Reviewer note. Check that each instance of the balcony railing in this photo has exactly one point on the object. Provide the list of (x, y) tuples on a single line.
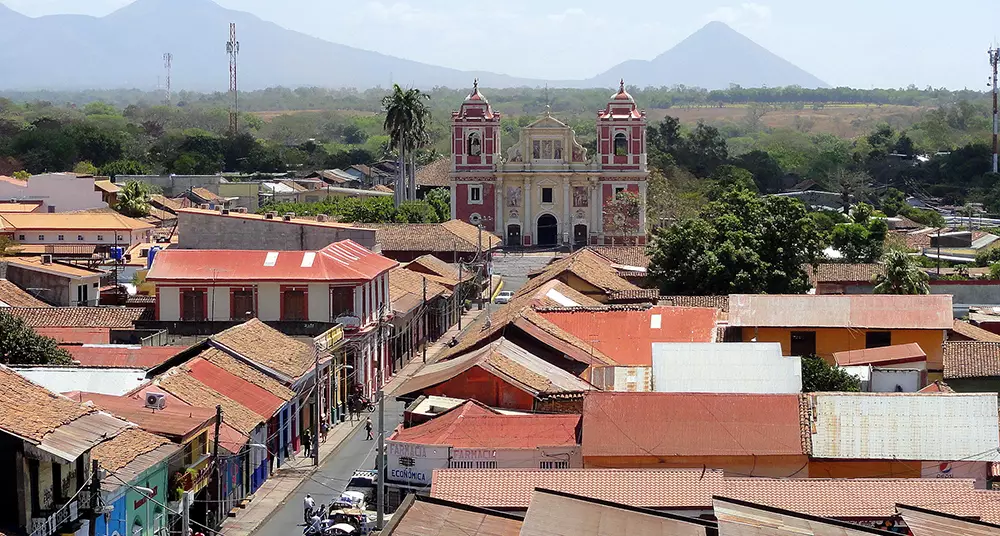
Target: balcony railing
[(47, 525)]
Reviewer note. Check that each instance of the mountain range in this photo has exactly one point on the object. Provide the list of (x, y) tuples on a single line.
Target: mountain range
[(123, 50)]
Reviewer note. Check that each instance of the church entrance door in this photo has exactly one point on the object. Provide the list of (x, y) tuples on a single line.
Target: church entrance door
[(548, 230)]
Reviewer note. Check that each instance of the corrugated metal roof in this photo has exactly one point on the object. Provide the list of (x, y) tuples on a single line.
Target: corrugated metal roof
[(122, 356), (746, 518), (691, 424), (107, 381), (905, 426), (559, 514), (751, 367), (247, 394), (886, 355), (72, 439), (424, 516), (627, 335), (840, 311), (474, 426), (176, 420), (929, 522), (341, 261)]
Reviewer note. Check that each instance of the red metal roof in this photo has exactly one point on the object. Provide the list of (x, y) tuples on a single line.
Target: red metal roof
[(114, 356), (886, 355), (470, 425), (176, 420), (690, 424), (627, 336), (882, 311), (239, 390), (341, 261), (76, 335)]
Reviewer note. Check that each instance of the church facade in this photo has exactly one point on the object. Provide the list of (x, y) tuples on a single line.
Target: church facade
[(546, 190)]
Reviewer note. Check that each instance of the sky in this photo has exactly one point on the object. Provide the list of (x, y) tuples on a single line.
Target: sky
[(857, 43)]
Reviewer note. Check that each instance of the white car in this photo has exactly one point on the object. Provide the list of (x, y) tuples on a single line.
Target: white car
[(504, 296)]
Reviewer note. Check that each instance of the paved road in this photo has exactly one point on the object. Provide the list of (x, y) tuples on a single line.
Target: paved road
[(332, 478), (515, 266)]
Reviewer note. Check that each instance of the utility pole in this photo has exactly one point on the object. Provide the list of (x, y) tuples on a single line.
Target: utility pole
[(168, 60), (95, 493), (461, 302), (994, 62), (479, 272), (233, 49), (318, 411), (423, 319), (215, 464), (380, 492)]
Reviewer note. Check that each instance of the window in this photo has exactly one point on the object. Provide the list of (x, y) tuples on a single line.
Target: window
[(82, 295), (619, 190), (294, 304), (621, 144), (52, 209), (97, 285), (460, 464), (878, 339), (553, 465), (20, 237), (343, 302), (803, 343), (546, 195), (79, 238), (476, 194), (60, 238), (241, 304), (41, 237), (35, 492), (193, 305), (486, 465), (120, 237), (56, 482), (474, 146), (100, 238)]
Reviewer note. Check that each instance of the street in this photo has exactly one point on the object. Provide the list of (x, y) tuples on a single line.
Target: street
[(332, 478)]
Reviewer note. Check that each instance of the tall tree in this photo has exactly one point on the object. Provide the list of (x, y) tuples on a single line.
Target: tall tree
[(133, 199), (406, 121), (901, 275), (818, 375), (20, 345)]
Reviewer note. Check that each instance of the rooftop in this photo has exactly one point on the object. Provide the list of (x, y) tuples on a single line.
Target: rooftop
[(107, 186), (436, 174), (627, 335), (341, 261), (886, 355), (262, 345), (247, 394), (262, 217), (436, 266), (177, 420), (76, 221), (406, 289), (57, 268), (12, 296), (112, 381), (453, 236), (844, 273), (691, 424), (624, 257), (78, 317), (425, 516), (720, 303), (30, 411), (971, 359), (586, 265), (473, 426), (246, 372), (122, 449), (196, 393), (733, 367), (20, 206), (841, 311), (965, 330)]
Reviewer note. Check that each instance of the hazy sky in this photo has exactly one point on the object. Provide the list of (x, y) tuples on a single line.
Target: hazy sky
[(859, 43)]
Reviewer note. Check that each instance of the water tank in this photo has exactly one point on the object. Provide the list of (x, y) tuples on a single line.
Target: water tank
[(117, 253), (152, 255)]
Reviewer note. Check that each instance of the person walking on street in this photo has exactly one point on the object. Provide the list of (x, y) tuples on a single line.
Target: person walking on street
[(308, 505), (307, 441), (368, 428)]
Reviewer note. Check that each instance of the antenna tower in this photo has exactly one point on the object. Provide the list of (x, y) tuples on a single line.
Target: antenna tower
[(168, 60), (994, 62), (233, 49)]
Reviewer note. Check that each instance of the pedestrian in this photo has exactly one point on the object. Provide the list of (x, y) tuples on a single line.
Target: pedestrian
[(307, 505), (307, 442), (324, 428), (368, 428)]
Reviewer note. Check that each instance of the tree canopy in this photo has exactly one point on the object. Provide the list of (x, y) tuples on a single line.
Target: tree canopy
[(820, 376), (21, 345), (901, 275)]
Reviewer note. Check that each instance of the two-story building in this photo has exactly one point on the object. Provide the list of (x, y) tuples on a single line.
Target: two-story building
[(55, 192), (83, 230), (548, 191)]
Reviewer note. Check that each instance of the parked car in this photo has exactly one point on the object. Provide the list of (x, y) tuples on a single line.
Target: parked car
[(504, 296)]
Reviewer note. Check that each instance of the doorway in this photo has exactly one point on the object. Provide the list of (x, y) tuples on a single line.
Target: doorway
[(513, 235), (548, 230), (580, 235)]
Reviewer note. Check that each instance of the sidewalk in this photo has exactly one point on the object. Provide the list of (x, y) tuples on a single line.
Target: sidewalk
[(276, 489)]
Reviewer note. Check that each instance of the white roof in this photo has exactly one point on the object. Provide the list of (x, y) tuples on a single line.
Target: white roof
[(906, 426), (738, 367), (105, 381)]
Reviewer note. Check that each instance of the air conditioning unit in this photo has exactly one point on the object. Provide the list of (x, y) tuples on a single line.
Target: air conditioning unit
[(46, 259), (321, 218), (288, 216), (156, 400), (206, 206), (241, 210), (270, 215)]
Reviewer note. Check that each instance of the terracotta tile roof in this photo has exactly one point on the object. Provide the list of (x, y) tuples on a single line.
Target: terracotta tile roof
[(450, 236), (627, 335), (246, 372), (690, 424), (79, 221), (207, 195), (125, 447), (716, 302), (470, 426), (65, 269), (436, 266), (841, 311), (12, 296), (78, 317), (20, 206), (107, 186), (341, 261), (679, 489), (648, 295), (425, 516), (406, 289), (30, 411), (267, 347), (176, 420), (118, 356), (886, 355), (971, 359), (435, 174), (624, 256), (845, 273), (382, 188), (246, 394), (937, 387), (192, 391), (970, 332), (165, 203), (555, 293), (586, 265)]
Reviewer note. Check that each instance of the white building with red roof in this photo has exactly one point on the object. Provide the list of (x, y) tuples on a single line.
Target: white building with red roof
[(548, 191)]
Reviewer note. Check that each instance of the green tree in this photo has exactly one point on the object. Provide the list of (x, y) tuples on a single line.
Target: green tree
[(406, 119), (22, 175), (85, 168), (8, 246), (123, 167), (416, 212), (893, 202), (20, 345), (765, 169), (727, 177), (861, 240), (820, 376), (440, 199), (901, 275), (133, 199), (740, 243)]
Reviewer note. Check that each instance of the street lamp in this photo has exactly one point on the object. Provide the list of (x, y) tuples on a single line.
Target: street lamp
[(149, 493)]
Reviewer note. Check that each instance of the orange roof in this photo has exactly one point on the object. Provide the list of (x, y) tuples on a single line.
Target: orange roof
[(841, 311), (77, 335), (627, 335), (20, 206), (471, 425), (176, 420), (117, 356), (341, 261), (69, 270), (13, 296), (243, 392), (690, 424), (886, 355), (76, 221)]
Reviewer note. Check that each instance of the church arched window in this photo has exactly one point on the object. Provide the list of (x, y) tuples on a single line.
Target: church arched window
[(475, 145), (621, 144)]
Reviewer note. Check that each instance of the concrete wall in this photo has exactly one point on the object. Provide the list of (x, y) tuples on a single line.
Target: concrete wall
[(268, 302), (54, 289), (174, 185), (168, 304), (61, 191), (830, 340), (217, 231)]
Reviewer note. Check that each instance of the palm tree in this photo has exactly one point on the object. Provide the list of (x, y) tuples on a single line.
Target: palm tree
[(133, 200), (900, 275), (406, 118)]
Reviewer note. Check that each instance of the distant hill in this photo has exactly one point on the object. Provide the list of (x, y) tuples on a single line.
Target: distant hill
[(713, 58), (124, 50)]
